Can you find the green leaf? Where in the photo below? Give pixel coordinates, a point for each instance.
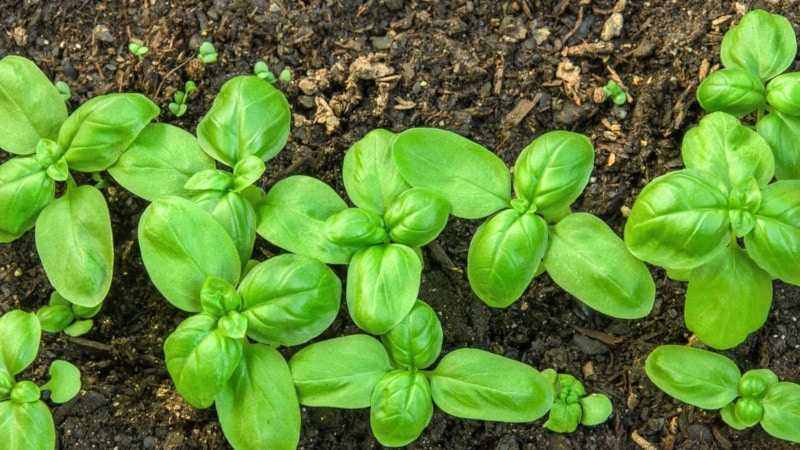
(782, 132)
(74, 241)
(764, 44)
(51, 155)
(289, 299)
(733, 90)
(679, 221)
(236, 215)
(181, 246)
(416, 217)
(743, 202)
(563, 417)
(727, 299)
(258, 407)
(30, 106)
(775, 239)
(382, 286)
(340, 372)
(401, 408)
(97, 133)
(722, 146)
(27, 426)
(370, 175)
(200, 359)
(247, 171)
(20, 334)
(475, 384)
(597, 408)
(475, 181)
(159, 162)
(54, 318)
(248, 117)
(783, 93)
(218, 297)
(25, 189)
(503, 256)
(79, 328)
(357, 227)
(756, 382)
(587, 259)
(552, 171)
(728, 415)
(416, 342)
(698, 377)
(65, 381)
(782, 411)
(293, 214)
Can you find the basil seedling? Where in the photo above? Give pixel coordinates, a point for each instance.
(226, 352)
(572, 406)
(712, 381)
(536, 230)
(691, 222)
(392, 378)
(25, 420)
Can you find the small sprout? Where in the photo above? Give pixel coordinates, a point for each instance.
(285, 75)
(137, 50)
(63, 90)
(178, 107)
(615, 93)
(261, 70)
(207, 53)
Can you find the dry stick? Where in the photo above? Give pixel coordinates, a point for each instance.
(175, 69)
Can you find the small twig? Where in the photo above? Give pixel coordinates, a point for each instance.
(160, 85)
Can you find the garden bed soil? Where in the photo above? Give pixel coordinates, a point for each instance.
(498, 72)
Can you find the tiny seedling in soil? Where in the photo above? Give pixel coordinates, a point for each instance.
(615, 93)
(207, 53)
(178, 107)
(137, 50)
(261, 70)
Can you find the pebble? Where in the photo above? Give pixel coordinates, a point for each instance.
(149, 442)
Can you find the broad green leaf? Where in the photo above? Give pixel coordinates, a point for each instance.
(775, 239)
(679, 221)
(293, 214)
(503, 256)
(743, 203)
(219, 297)
(782, 411)
(65, 381)
(27, 426)
(552, 171)
(289, 299)
(698, 377)
(97, 133)
(416, 342)
(235, 213)
(258, 407)
(25, 189)
(210, 180)
(401, 408)
(358, 227)
(30, 106)
(588, 260)
(181, 246)
(248, 117)
(782, 132)
(159, 162)
(475, 181)
(20, 334)
(764, 44)
(79, 328)
(340, 372)
(597, 408)
(416, 217)
(722, 146)
(370, 175)
(783, 93)
(475, 384)
(733, 90)
(382, 286)
(727, 299)
(200, 359)
(74, 241)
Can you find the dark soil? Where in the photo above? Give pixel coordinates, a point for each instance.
(498, 72)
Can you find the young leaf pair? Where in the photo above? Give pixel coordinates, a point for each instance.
(73, 231)
(755, 54)
(247, 125)
(572, 405)
(392, 378)
(25, 420)
(379, 238)
(286, 300)
(712, 381)
(691, 222)
(536, 230)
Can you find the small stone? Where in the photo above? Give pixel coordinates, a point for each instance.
(394, 5)
(101, 32)
(612, 27)
(149, 442)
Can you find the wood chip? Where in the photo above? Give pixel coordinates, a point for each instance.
(642, 442)
(606, 338)
(523, 107)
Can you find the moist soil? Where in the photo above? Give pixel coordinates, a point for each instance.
(499, 72)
